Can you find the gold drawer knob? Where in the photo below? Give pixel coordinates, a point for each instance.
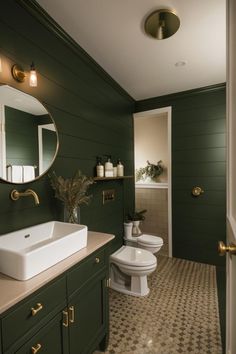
(35, 349)
(97, 260)
(35, 310)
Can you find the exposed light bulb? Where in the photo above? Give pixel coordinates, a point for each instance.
(33, 81)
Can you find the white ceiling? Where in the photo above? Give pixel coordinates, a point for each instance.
(111, 31)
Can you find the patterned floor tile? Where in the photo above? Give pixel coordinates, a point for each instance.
(179, 316)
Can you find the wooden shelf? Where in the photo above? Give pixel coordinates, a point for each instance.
(111, 178)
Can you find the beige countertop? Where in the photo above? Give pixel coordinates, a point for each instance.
(13, 291)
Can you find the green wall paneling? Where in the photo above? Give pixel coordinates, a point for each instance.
(92, 112)
(21, 137)
(215, 182)
(198, 158)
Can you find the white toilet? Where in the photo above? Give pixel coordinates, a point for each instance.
(148, 242)
(129, 267)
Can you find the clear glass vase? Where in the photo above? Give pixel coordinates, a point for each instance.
(136, 230)
(72, 214)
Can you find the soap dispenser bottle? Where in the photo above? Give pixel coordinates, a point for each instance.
(108, 167)
(120, 169)
(100, 167)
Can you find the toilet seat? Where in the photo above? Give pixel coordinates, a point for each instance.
(134, 257)
(150, 240)
(129, 268)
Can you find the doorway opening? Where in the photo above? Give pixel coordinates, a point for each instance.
(152, 143)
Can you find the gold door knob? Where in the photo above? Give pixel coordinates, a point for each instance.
(97, 260)
(196, 191)
(34, 310)
(222, 248)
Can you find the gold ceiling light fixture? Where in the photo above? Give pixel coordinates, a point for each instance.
(162, 24)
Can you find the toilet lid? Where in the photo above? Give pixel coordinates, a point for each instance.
(150, 240)
(134, 256)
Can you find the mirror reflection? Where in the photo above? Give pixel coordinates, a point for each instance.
(28, 138)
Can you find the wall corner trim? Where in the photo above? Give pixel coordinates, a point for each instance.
(46, 20)
(166, 99)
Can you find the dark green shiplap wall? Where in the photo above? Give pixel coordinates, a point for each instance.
(92, 113)
(21, 137)
(198, 159)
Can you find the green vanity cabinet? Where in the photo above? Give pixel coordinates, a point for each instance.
(88, 304)
(51, 339)
(25, 318)
(69, 315)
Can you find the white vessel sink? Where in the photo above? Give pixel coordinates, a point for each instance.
(27, 252)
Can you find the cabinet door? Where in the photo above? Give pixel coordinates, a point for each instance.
(51, 339)
(89, 326)
(19, 323)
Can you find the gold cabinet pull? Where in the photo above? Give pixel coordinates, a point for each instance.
(97, 260)
(71, 314)
(35, 310)
(196, 191)
(65, 321)
(222, 248)
(36, 348)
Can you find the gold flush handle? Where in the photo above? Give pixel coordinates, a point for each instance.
(222, 248)
(35, 310)
(36, 348)
(97, 260)
(196, 191)
(71, 314)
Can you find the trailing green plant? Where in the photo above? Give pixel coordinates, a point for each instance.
(151, 170)
(136, 215)
(71, 191)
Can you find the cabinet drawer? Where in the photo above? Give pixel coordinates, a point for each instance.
(36, 307)
(48, 340)
(81, 273)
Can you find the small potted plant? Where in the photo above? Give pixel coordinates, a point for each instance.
(151, 171)
(135, 218)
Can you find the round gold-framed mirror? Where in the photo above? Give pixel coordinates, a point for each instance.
(28, 139)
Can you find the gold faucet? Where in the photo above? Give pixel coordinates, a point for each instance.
(15, 195)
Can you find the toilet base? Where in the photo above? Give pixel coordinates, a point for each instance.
(132, 292)
(127, 284)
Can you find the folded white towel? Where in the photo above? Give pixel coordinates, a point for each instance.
(15, 173)
(28, 173)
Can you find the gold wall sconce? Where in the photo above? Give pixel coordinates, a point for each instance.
(19, 74)
(162, 24)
